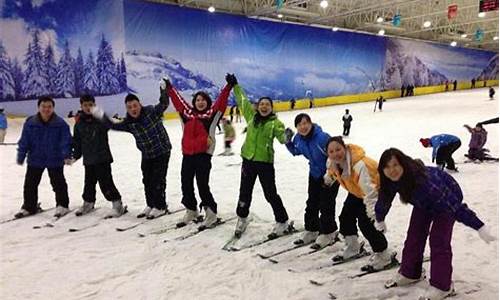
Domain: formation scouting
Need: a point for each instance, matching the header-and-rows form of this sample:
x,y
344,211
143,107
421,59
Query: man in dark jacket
x,y
46,141
91,141
347,118
145,123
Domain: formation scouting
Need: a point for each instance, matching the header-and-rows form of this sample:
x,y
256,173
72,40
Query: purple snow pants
x,y
440,243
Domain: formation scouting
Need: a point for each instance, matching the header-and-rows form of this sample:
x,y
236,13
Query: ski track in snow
x,y
101,263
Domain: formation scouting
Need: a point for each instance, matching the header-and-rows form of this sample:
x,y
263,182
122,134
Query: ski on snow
x,y
52,222
39,211
202,228
164,229
121,229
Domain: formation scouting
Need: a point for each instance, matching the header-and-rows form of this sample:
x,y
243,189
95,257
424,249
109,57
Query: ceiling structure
x,y
362,15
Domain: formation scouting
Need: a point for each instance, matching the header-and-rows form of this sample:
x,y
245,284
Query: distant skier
x,y
3,125
229,136
403,89
446,86
319,218
258,161
292,104
379,102
357,173
145,123
455,85
347,119
46,141
491,92
437,203
478,139
473,83
443,146
198,144
90,141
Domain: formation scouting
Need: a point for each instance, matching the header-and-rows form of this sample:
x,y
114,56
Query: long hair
x,y
337,139
414,173
204,96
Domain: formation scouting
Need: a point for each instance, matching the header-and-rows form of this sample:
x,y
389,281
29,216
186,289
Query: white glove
x,y
69,161
97,112
380,226
163,83
485,235
328,180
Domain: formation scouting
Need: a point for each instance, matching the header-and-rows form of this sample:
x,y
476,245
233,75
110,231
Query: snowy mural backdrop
x,y
109,48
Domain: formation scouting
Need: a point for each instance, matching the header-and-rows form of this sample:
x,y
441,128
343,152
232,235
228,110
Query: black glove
x,y
231,80
288,135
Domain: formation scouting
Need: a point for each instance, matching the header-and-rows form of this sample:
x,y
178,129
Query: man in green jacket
x,y
258,160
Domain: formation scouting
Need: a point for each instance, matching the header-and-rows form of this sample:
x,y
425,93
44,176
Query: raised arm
x,y
179,103
221,102
243,103
164,99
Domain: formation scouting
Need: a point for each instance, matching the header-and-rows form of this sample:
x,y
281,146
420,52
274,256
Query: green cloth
x,y
258,145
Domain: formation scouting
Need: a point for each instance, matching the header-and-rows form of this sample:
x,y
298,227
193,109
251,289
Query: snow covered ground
x,y
101,263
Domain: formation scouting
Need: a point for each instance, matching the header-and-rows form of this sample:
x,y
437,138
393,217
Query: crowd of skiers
x,y
436,197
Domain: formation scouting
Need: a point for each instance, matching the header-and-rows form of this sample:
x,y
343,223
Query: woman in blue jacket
x,y
46,141
311,143
437,199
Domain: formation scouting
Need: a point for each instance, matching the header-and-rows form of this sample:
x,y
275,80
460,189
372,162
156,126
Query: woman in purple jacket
x,y
437,199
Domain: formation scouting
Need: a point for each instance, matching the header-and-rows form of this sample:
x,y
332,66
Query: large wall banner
x,y
110,48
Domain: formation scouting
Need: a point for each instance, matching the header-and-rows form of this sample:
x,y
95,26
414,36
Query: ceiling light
x,y
453,44
495,38
427,24
323,4
335,29
481,14
280,16
380,20
211,9
464,35
381,32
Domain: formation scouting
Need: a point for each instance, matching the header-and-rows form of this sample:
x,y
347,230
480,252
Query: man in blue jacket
x,y
443,146
3,125
46,141
311,143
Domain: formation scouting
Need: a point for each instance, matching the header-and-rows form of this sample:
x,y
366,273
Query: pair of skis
x,y
202,228
136,224
39,210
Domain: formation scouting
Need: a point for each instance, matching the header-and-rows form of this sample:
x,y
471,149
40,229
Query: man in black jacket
x,y
90,140
347,118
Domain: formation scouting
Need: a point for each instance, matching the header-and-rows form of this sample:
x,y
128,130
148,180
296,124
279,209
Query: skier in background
x,y
437,199
229,136
491,92
478,139
347,119
455,85
3,125
443,146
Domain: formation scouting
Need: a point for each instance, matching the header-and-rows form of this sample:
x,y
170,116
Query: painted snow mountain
x,y
491,71
145,70
403,68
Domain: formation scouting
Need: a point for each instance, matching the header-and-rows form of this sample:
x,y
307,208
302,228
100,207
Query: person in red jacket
x,y
198,144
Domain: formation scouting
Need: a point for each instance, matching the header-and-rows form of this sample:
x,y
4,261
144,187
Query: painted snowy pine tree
x,y
122,77
66,74
17,76
6,80
106,70
35,81
50,69
79,75
89,75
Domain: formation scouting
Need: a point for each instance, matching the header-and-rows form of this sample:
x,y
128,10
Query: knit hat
x,y
425,142
265,98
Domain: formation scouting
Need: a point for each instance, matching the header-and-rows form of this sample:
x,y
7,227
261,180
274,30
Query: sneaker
x,y
352,247
279,229
307,238
145,212
210,218
241,226
155,213
189,216
118,209
85,208
22,213
324,240
401,280
433,293
379,260
61,211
